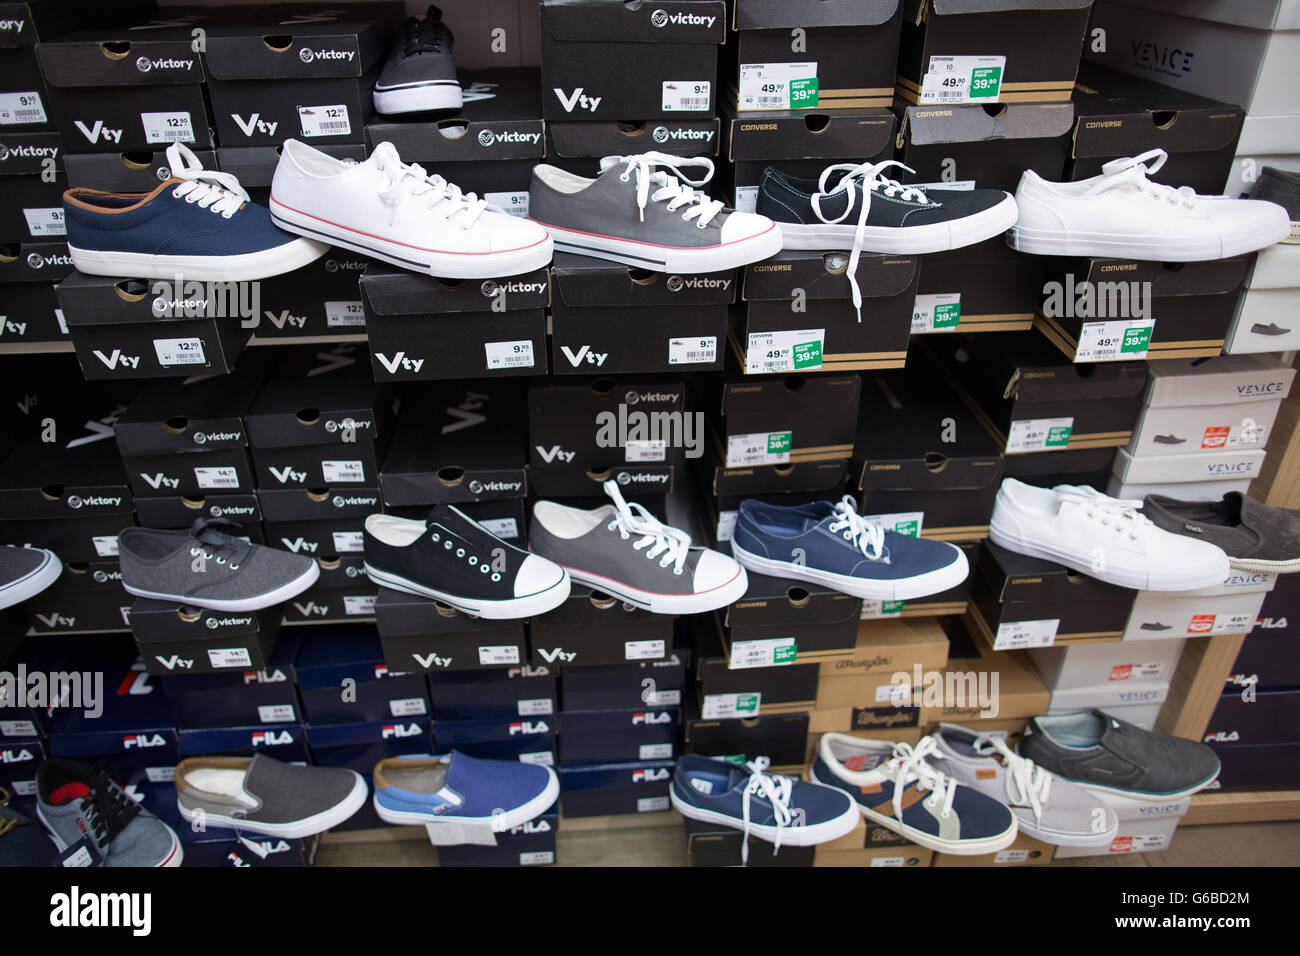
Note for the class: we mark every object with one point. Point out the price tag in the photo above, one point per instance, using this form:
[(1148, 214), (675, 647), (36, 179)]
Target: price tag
[(45, 222), (160, 774), (778, 86), (230, 657), (643, 650), (693, 351), (537, 858), (887, 861), (542, 758), (940, 312), (105, 545), (324, 120), (902, 522), (963, 79), (498, 654), (502, 527), (896, 694), (23, 788), (965, 185), (78, 855), (516, 204), (1039, 434), (727, 524), (359, 605), (769, 652), (874, 610), (348, 541), (646, 449), (1011, 856), (344, 314), (518, 354), (276, 713), (536, 707), (216, 477), (179, 352), (1114, 341), (338, 470), (1016, 634), (759, 448), (1233, 623), (655, 751), (17, 728), (17, 108), (651, 804), (663, 698), (726, 706), (686, 96), (408, 707), (167, 127), (795, 351), (746, 199)]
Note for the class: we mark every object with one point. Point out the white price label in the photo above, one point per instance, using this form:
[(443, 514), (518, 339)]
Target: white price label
[(343, 314), (651, 804), (542, 758), (160, 774), (1011, 856), (45, 222), (1039, 434), (1114, 341), (873, 610), (686, 96), (900, 522), (643, 650), (1233, 623), (408, 707), (887, 861), (230, 657), (537, 858), (727, 525), (1150, 841), (663, 698), (726, 706), (167, 127), (348, 541), (276, 713), (769, 652), (963, 79), (1016, 634), (502, 527), (359, 605), (498, 654), (105, 545), (217, 477), (536, 707), (693, 351), (654, 751), (63, 323), (518, 354), (81, 857), (746, 199), (778, 86), (647, 449), (23, 788), (516, 204), (325, 120), (790, 351), (337, 470), (18, 108), (187, 351), (965, 185), (892, 694), (940, 312), (17, 728), (759, 448)]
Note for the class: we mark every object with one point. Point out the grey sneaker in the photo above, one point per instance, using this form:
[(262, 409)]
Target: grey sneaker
[(1255, 537), (206, 567), (643, 211), (1279, 186), (625, 551), (77, 802), (262, 795), (420, 73), (1046, 807), (1271, 329), (25, 573), (1110, 756)]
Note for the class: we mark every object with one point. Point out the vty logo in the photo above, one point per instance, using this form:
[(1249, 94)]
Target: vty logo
[(584, 354), (254, 123), (94, 133), (431, 660), (174, 661), (399, 360), (556, 654), (286, 474), (299, 544), (555, 451), (577, 99), (160, 480), (118, 357)]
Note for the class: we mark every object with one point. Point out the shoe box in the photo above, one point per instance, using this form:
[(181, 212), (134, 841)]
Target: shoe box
[(1256, 716), (822, 622), (19, 758), (796, 142), (174, 639), (595, 628), (868, 845), (1266, 657), (985, 287), (724, 692), (132, 171), (286, 742), (343, 678), (1264, 322), (1188, 490), (798, 315), (499, 325), (318, 522), (510, 692), (782, 737), (578, 145), (1084, 466), (1134, 836), (1030, 399), (591, 790), (1023, 851), (1247, 767), (619, 686), (179, 512), (785, 484), (990, 51), (263, 696), (32, 182), (608, 318), (358, 744), (1091, 665), (1167, 615), (320, 299), (617, 736), (28, 274), (423, 635), (87, 596), (529, 844), (604, 62), (526, 739), (1138, 702), (342, 593), (709, 844), (1205, 475)]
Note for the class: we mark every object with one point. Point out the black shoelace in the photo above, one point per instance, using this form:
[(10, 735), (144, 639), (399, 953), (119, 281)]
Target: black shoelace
[(427, 35), (218, 545), (108, 809)]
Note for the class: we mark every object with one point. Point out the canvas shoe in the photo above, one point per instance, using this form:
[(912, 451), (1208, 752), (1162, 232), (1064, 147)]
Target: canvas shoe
[(1283, 188), (624, 550), (22, 843), (1124, 214), (259, 794), (26, 572), (1079, 527), (1109, 756), (1046, 807), (450, 558), (499, 794), (77, 802), (644, 211), (420, 73), (832, 545), (778, 809), (399, 213), (199, 224), (206, 567), (1255, 537)]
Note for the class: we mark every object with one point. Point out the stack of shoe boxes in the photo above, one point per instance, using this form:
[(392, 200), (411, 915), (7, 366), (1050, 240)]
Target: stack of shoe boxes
[(29, 272)]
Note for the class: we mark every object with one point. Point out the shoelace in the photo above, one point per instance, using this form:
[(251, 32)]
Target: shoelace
[(219, 192), (411, 181), (216, 545), (108, 809), (425, 36), (867, 536), (8, 823), (1121, 514), (775, 789), (1027, 782), (677, 190), (873, 180), (910, 764), (670, 545), (1133, 172)]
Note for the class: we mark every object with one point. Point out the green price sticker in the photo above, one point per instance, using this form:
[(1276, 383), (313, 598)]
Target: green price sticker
[(785, 655), (807, 355), (985, 82), (1059, 436), (779, 443), (908, 528), (1136, 339), (747, 703), (947, 316), (803, 93), (733, 758), (891, 607)]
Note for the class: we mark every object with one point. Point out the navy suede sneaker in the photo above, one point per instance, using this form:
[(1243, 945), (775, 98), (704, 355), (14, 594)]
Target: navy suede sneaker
[(832, 545), (199, 224), (498, 794)]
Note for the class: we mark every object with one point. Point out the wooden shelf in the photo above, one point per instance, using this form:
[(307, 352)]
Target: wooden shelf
[(1248, 807)]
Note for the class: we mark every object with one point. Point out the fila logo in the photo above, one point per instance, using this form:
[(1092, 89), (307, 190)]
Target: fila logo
[(555, 451), (399, 730), (118, 357), (284, 318), (399, 360), (1222, 737), (584, 353), (272, 738), (160, 480), (556, 654), (310, 608), (276, 676), (93, 133), (663, 717), (287, 474), (141, 741), (254, 123), (236, 860), (265, 848), (650, 776), (528, 671), (56, 620), (1271, 623), (173, 662), (16, 756), (530, 727), (429, 661), (533, 826), (299, 544), (577, 98)]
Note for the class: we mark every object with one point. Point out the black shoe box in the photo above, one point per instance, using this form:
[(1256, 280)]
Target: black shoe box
[(1262, 716), (319, 302), (1266, 657), (32, 182), (780, 737), (818, 618), (1246, 767), (175, 639), (708, 844), (722, 691), (325, 522), (28, 273), (333, 655), (191, 476), (526, 739), (608, 318), (87, 596), (420, 634), (805, 292), (178, 512), (523, 691), (592, 790), (24, 101), (619, 686), (135, 171), (33, 21), (592, 627), (1083, 466), (317, 466), (576, 145), (985, 287), (605, 61), (498, 325), (324, 605), (615, 736), (254, 167)]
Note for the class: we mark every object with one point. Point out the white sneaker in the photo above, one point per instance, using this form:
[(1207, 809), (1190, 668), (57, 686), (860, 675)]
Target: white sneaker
[(401, 214), (1122, 213), (1107, 538)]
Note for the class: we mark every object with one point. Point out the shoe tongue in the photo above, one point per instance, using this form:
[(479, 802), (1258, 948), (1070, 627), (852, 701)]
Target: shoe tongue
[(69, 792), (388, 153)]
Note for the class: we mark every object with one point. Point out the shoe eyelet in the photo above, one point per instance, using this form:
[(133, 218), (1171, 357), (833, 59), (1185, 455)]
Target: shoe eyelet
[(435, 536), (623, 178), (221, 560), (207, 556), (484, 568), (472, 561), (234, 567), (460, 552), (447, 545), (194, 552), (496, 577)]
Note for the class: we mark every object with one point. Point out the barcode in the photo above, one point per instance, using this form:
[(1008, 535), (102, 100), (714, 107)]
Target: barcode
[(698, 357), (174, 135), (223, 482), (770, 101), (28, 116), (517, 360), (343, 127), (693, 103), (516, 211)]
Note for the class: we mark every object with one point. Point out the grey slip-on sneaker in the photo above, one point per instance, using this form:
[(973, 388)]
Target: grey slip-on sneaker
[(1255, 537), (76, 802), (25, 573), (1279, 186)]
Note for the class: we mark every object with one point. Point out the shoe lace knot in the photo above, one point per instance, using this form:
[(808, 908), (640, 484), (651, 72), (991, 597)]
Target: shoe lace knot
[(410, 181), (217, 545), (867, 536), (911, 765), (220, 193), (669, 545), (674, 187), (776, 790)]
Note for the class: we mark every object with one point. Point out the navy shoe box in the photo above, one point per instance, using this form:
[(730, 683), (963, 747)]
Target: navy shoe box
[(285, 742), (515, 692), (529, 844), (589, 790), (337, 653), (530, 739), (619, 686), (614, 736), (267, 696)]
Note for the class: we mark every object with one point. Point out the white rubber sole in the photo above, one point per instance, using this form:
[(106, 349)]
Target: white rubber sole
[(498, 823), (427, 97), (242, 268), (904, 589), (1060, 242), (809, 835), (905, 240), (1066, 838), (1256, 565), (278, 596), (32, 584), (687, 261), (526, 606), (657, 603), (308, 826), (1141, 797)]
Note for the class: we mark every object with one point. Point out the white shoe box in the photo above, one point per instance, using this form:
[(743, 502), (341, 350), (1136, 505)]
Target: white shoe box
[(1111, 665), (1196, 429), (1134, 836), (1226, 380), (1170, 615), (1187, 491), (1237, 582), (1131, 811), (1138, 702), (1278, 266), (1272, 140), (1235, 464), (1275, 309)]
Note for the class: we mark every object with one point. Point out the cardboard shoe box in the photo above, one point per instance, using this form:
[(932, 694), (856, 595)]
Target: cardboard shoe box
[(589, 790), (592, 627), (1084, 665), (1023, 851), (131, 171), (1166, 615), (780, 484), (823, 622), (618, 686), (712, 845), (985, 287), (782, 421), (513, 692), (32, 206), (254, 167), (265, 696), (526, 739), (175, 639), (725, 692), (1199, 472), (780, 737), (87, 596), (1138, 703), (1265, 717), (423, 635), (574, 146), (613, 736), (1264, 322), (529, 844), (335, 653)]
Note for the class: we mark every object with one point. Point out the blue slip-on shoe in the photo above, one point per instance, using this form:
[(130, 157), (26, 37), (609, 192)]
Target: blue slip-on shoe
[(895, 786), (199, 224), (832, 545), (772, 807), (415, 791)]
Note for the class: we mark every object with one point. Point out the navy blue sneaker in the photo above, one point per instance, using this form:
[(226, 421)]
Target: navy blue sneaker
[(832, 545), (199, 225), (770, 806), (896, 787), (499, 794)]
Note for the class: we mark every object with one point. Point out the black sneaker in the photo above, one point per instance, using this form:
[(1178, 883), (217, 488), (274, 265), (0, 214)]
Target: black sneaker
[(420, 74), (450, 558), (1278, 186), (25, 573)]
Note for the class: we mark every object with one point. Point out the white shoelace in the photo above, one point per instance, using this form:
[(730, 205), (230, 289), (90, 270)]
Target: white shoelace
[(219, 192), (676, 189), (1118, 514), (669, 545), (775, 789), (873, 180), (910, 763), (1028, 784), (867, 536), (1131, 172), (412, 181)]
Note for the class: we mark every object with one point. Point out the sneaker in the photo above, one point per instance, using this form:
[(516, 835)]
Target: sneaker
[(22, 843), (25, 573), (1107, 538), (206, 567), (1255, 537), (1046, 807), (401, 214), (642, 210), (259, 794), (1124, 214), (420, 73), (76, 802), (500, 794), (896, 787), (198, 224), (1279, 186), (450, 558), (778, 809), (832, 545), (640, 560), (1106, 755)]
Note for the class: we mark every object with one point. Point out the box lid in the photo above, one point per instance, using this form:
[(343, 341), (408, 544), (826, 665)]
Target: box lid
[(151, 49), (581, 281), (950, 7), (677, 137), (388, 290), (802, 134), (24, 154), (317, 504), (335, 652), (1228, 379), (284, 43), (35, 262), (254, 166), (975, 123), (1213, 277), (33, 20), (665, 21), (801, 395), (1019, 578), (370, 732), (776, 602), (777, 14), (1258, 15), (823, 275)]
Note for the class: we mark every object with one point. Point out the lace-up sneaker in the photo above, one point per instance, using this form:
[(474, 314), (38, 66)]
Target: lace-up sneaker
[(209, 568), (198, 224), (401, 214), (644, 211), (26, 572), (1045, 806), (895, 786), (625, 551), (421, 72), (832, 545), (449, 558), (1104, 537), (76, 802), (775, 808), (1122, 213)]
